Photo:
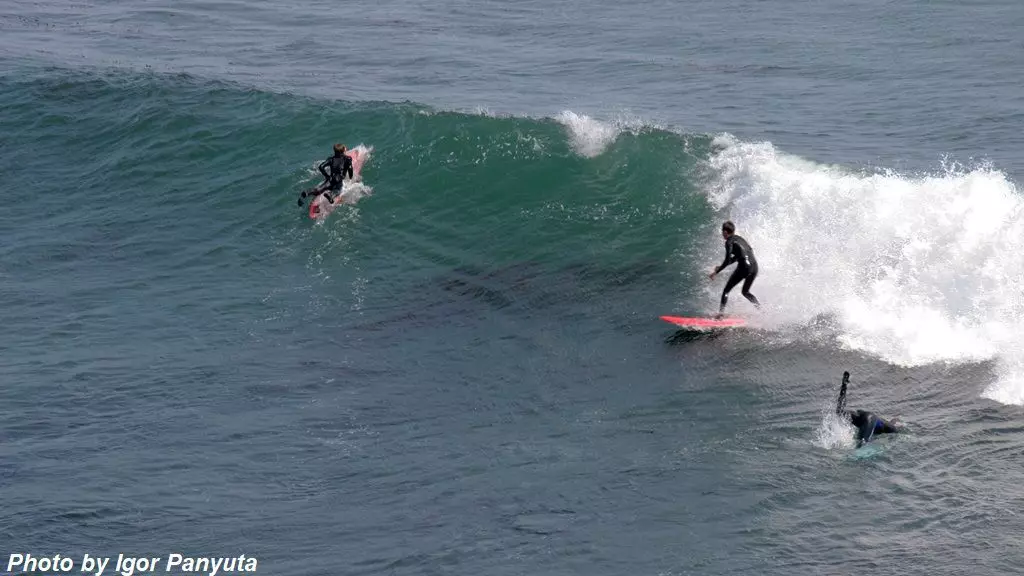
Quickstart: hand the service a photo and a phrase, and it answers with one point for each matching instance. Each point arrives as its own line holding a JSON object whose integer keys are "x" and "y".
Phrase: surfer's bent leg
{"x": 333, "y": 191}
{"x": 737, "y": 275}
{"x": 751, "y": 276}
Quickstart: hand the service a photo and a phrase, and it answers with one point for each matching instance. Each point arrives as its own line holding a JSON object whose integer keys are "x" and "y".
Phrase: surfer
{"x": 737, "y": 251}
{"x": 867, "y": 424}
{"x": 334, "y": 170}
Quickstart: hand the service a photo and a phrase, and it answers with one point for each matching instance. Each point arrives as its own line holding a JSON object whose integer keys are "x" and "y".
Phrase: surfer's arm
{"x": 841, "y": 402}
{"x": 348, "y": 169}
{"x": 323, "y": 169}
{"x": 729, "y": 258}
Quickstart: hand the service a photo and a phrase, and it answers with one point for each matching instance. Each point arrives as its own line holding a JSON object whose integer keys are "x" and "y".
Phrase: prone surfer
{"x": 867, "y": 423}
{"x": 739, "y": 252}
{"x": 334, "y": 170}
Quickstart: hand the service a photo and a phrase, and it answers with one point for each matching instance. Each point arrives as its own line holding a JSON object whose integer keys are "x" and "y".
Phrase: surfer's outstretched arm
{"x": 841, "y": 402}
{"x": 348, "y": 169}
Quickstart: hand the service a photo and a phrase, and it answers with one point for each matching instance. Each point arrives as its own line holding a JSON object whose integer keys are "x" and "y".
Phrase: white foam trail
{"x": 589, "y": 137}
{"x": 355, "y": 190}
{"x": 915, "y": 269}
{"x": 834, "y": 432}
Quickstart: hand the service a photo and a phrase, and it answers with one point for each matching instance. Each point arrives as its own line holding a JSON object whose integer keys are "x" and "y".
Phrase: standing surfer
{"x": 867, "y": 424}
{"x": 739, "y": 252}
{"x": 334, "y": 170}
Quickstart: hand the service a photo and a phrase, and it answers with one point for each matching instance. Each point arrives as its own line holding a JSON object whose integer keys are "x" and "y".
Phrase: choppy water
{"x": 464, "y": 373}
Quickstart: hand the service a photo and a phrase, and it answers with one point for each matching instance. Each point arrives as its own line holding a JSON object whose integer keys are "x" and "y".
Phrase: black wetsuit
{"x": 737, "y": 250}
{"x": 867, "y": 424}
{"x": 334, "y": 170}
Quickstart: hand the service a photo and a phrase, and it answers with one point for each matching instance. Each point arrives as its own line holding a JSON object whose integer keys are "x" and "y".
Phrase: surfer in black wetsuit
{"x": 737, "y": 251}
{"x": 867, "y": 424}
{"x": 334, "y": 170}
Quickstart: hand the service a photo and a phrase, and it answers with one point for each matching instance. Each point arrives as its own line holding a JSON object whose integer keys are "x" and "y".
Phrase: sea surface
{"x": 463, "y": 372}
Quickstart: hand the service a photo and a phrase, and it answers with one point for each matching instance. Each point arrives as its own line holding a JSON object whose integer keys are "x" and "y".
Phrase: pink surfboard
{"x": 703, "y": 323}
{"x": 320, "y": 207}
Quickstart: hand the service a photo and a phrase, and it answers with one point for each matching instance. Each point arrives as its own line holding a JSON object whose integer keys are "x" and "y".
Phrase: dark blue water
{"x": 463, "y": 372}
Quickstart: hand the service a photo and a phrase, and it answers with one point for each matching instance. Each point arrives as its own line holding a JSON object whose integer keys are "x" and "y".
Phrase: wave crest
{"x": 917, "y": 269}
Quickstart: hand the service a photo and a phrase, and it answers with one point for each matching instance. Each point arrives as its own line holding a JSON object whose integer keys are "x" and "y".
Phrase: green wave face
{"x": 223, "y": 164}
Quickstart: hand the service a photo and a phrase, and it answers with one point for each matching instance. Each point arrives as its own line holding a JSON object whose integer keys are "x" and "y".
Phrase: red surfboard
{"x": 700, "y": 323}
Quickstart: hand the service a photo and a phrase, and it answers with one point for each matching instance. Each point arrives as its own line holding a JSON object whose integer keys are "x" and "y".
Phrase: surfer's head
{"x": 339, "y": 149}
{"x": 728, "y": 229}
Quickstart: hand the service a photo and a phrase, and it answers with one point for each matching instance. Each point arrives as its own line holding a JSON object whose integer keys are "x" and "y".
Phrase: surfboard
{"x": 704, "y": 323}
{"x": 320, "y": 208}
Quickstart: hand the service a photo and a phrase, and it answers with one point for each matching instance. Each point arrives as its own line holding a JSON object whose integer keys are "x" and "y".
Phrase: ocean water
{"x": 464, "y": 371}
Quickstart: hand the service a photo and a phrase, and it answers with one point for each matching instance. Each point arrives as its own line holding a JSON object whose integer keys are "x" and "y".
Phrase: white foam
{"x": 834, "y": 432}
{"x": 916, "y": 269}
{"x": 589, "y": 137}
{"x": 364, "y": 155}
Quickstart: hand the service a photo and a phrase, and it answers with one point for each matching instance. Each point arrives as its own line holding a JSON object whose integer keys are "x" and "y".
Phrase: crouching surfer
{"x": 866, "y": 423}
{"x": 334, "y": 170}
{"x": 739, "y": 252}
